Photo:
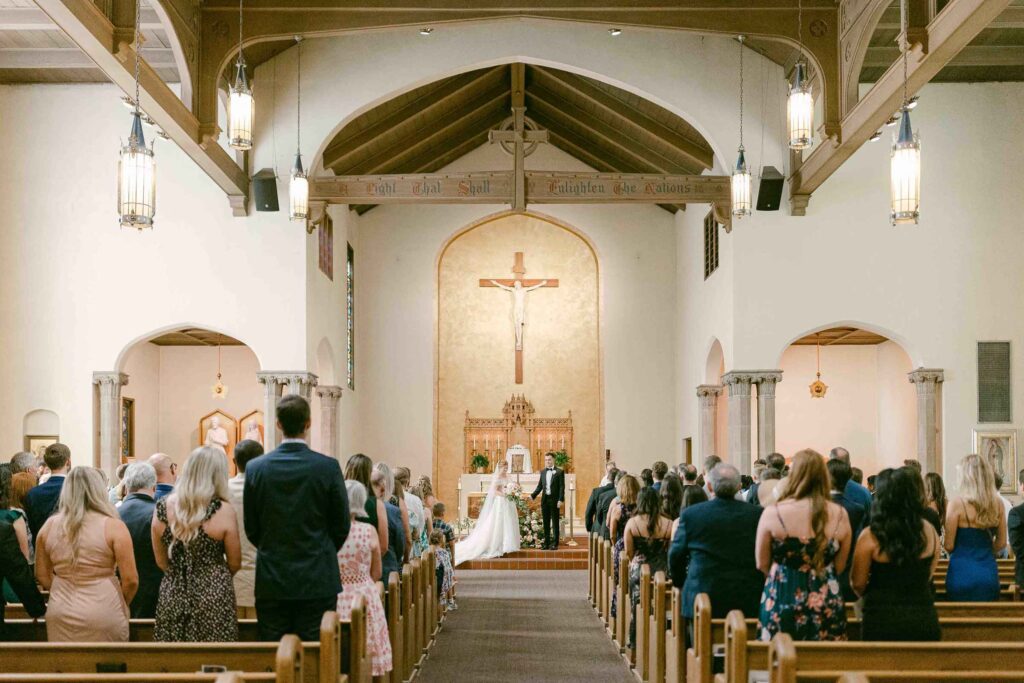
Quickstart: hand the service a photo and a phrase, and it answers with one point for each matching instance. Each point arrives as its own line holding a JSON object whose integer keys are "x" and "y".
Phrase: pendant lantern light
{"x": 220, "y": 390}
{"x": 741, "y": 175}
{"x": 136, "y": 168}
{"x": 818, "y": 388}
{"x": 241, "y": 106}
{"x": 800, "y": 106}
{"x": 905, "y": 160}
{"x": 298, "y": 188}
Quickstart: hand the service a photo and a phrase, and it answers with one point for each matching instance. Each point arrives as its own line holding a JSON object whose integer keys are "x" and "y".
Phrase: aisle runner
{"x": 524, "y": 626}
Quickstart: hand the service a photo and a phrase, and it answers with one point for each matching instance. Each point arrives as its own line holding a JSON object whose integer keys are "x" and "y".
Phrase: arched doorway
{"x": 182, "y": 388}
{"x": 869, "y": 406}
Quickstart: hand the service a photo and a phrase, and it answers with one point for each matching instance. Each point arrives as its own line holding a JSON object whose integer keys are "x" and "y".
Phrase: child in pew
{"x": 443, "y": 570}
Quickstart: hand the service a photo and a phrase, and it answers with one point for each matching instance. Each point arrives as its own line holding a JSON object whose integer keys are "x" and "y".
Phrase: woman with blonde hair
{"x": 627, "y": 488}
{"x": 414, "y": 507}
{"x": 803, "y": 544}
{"x": 77, "y": 553}
{"x": 196, "y": 544}
{"x": 975, "y": 533}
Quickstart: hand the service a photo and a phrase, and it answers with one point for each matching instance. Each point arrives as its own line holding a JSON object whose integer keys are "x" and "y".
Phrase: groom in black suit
{"x": 551, "y": 489}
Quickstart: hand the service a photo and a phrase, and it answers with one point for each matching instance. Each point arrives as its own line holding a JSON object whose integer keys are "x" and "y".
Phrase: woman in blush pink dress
{"x": 360, "y": 567}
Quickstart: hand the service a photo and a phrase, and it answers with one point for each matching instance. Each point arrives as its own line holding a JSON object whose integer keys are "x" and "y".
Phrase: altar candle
{"x": 474, "y": 442}
{"x": 551, "y": 440}
{"x": 487, "y": 442}
{"x": 563, "y": 442}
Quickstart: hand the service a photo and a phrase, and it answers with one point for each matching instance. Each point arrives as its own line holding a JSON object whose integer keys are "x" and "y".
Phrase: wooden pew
{"x": 228, "y": 677}
{"x": 826, "y": 661}
{"x": 642, "y": 618}
{"x": 592, "y": 569}
{"x": 284, "y": 661}
{"x": 622, "y": 606}
{"x": 609, "y": 578}
{"x": 396, "y": 627}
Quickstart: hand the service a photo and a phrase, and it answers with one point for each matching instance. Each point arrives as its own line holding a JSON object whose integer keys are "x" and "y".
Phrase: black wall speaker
{"x": 264, "y": 190}
{"x": 769, "y": 193}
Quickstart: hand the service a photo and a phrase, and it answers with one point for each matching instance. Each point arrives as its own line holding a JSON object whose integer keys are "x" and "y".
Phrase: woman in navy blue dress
{"x": 975, "y": 533}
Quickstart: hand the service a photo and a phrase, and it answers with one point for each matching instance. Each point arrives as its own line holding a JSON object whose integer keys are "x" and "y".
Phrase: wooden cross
{"x": 518, "y": 303}
{"x": 514, "y": 132}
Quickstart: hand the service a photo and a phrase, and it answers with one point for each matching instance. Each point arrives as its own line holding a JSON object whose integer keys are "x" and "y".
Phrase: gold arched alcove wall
{"x": 475, "y": 361}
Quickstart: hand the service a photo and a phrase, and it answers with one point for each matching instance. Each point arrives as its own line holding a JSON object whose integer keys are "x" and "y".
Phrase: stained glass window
{"x": 350, "y": 328}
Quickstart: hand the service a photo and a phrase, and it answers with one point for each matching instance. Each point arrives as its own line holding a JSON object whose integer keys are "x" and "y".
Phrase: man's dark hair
{"x": 646, "y": 477}
{"x": 659, "y": 470}
{"x": 57, "y": 456}
{"x": 746, "y": 481}
{"x": 776, "y": 461}
{"x": 710, "y": 462}
{"x": 839, "y": 472}
{"x": 690, "y": 474}
{"x": 771, "y": 474}
{"x": 613, "y": 475}
{"x": 246, "y": 450}
{"x": 911, "y": 462}
{"x": 857, "y": 474}
{"x": 871, "y": 481}
{"x": 761, "y": 461}
{"x": 1020, "y": 478}
{"x": 293, "y": 415}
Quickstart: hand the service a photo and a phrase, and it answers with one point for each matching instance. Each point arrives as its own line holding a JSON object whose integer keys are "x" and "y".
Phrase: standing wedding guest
{"x": 444, "y": 527}
{"x": 26, "y": 462}
{"x": 803, "y": 543}
{"x": 136, "y": 511}
{"x": 77, "y": 552}
{"x": 975, "y": 533}
{"x": 1015, "y": 530}
{"x": 647, "y": 478}
{"x": 605, "y": 503}
{"x": 935, "y": 494}
{"x": 853, "y": 491}
{"x": 628, "y": 488}
{"x": 17, "y": 573}
{"x": 391, "y": 559}
{"x": 9, "y": 513}
{"x": 590, "y": 513}
{"x": 116, "y": 493}
{"x": 839, "y": 474}
{"x": 21, "y": 484}
{"x": 245, "y": 577}
{"x": 444, "y": 571}
{"x": 359, "y": 563}
{"x": 426, "y": 492}
{"x": 42, "y": 500}
{"x": 166, "y": 473}
{"x": 712, "y": 550}
{"x": 195, "y": 538}
{"x": 360, "y": 468}
{"x": 671, "y": 491}
{"x": 894, "y": 562}
{"x": 658, "y": 471}
{"x": 417, "y": 516}
{"x": 394, "y": 495}
{"x": 297, "y": 516}
{"x": 646, "y": 542}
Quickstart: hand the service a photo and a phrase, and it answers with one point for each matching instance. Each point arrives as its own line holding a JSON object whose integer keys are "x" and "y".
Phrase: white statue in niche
{"x": 252, "y": 431}
{"x": 519, "y": 306}
{"x": 216, "y": 436}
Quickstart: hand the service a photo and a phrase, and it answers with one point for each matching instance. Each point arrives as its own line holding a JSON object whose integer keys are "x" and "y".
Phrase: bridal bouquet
{"x": 514, "y": 492}
{"x": 531, "y": 527}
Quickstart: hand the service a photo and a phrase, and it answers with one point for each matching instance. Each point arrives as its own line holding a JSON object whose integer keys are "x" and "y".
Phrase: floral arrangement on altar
{"x": 531, "y": 526}
{"x": 463, "y": 526}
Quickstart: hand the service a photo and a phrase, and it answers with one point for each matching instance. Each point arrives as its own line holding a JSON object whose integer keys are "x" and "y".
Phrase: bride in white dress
{"x": 497, "y": 529}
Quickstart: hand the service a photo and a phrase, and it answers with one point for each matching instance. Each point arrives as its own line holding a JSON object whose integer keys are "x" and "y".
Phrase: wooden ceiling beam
{"x": 972, "y": 55}
{"x": 948, "y": 33}
{"x": 86, "y": 25}
{"x": 346, "y": 151}
{"x": 35, "y": 19}
{"x": 72, "y": 58}
{"x": 696, "y": 154}
{"x": 483, "y": 107}
{"x": 605, "y": 134}
{"x": 1010, "y": 18}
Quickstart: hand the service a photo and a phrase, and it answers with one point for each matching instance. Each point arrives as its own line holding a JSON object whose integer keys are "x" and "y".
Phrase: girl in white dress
{"x": 497, "y": 529}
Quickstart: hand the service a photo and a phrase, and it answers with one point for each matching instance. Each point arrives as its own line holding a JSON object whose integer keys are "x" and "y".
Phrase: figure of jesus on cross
{"x": 519, "y": 288}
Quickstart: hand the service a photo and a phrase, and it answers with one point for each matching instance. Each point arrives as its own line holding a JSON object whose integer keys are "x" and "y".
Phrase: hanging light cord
{"x": 741, "y": 91}
{"x": 241, "y": 60}
{"x": 800, "y": 29}
{"x": 138, "y": 49}
{"x": 904, "y": 26}
{"x": 298, "y": 100}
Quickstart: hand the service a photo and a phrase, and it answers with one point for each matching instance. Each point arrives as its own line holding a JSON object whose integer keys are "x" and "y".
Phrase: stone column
{"x": 110, "y": 384}
{"x": 707, "y": 400}
{"x": 739, "y": 383}
{"x": 302, "y": 383}
{"x": 329, "y": 399}
{"x": 766, "y": 381}
{"x": 929, "y": 429}
{"x": 273, "y": 384}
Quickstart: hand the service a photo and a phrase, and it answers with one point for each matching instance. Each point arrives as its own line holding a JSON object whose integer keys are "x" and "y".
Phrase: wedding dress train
{"x": 497, "y": 529}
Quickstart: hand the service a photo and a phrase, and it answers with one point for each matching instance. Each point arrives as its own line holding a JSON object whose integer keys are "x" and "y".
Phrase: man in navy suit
{"x": 713, "y": 549}
{"x": 41, "y": 501}
{"x": 296, "y": 514}
{"x": 853, "y": 491}
{"x": 136, "y": 511}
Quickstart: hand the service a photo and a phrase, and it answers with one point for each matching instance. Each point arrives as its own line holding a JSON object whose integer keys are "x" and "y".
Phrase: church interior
{"x": 474, "y": 234}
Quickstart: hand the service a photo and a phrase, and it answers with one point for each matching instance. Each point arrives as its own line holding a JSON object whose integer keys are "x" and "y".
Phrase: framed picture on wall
{"x": 251, "y": 427}
{"x": 36, "y": 443}
{"x": 127, "y": 429}
{"x": 1000, "y": 447}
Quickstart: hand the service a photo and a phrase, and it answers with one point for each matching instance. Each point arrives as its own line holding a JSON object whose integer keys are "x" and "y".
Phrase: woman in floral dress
{"x": 360, "y": 566}
{"x": 803, "y": 544}
{"x": 622, "y": 509}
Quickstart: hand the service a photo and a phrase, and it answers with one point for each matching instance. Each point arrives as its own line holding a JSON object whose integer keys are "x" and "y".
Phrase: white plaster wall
{"x": 897, "y": 407}
{"x": 77, "y": 290}
{"x": 396, "y": 295}
{"x": 142, "y": 365}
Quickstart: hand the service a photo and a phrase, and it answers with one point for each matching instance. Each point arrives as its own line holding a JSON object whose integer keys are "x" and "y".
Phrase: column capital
{"x": 328, "y": 392}
{"x": 926, "y": 376}
{"x": 272, "y": 378}
{"x": 301, "y": 378}
{"x": 766, "y": 376}
{"x": 738, "y": 382}
{"x": 112, "y": 378}
{"x": 705, "y": 390}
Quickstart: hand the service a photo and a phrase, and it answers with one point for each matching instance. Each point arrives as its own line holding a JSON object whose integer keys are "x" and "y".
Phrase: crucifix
{"x": 519, "y": 288}
{"x": 518, "y": 136}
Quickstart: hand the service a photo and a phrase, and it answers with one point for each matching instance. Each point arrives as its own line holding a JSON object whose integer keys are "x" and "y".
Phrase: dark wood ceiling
{"x": 193, "y": 336}
{"x": 34, "y": 50}
{"x": 995, "y": 54}
{"x": 841, "y": 336}
{"x": 605, "y": 127}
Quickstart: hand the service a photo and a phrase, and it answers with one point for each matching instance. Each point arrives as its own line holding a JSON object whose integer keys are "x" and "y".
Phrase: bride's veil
{"x": 492, "y": 494}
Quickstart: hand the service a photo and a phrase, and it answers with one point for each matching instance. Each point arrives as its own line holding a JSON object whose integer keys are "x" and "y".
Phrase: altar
{"x": 473, "y": 490}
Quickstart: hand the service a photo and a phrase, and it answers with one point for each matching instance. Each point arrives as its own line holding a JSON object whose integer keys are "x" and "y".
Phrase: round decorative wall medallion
{"x": 819, "y": 28}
